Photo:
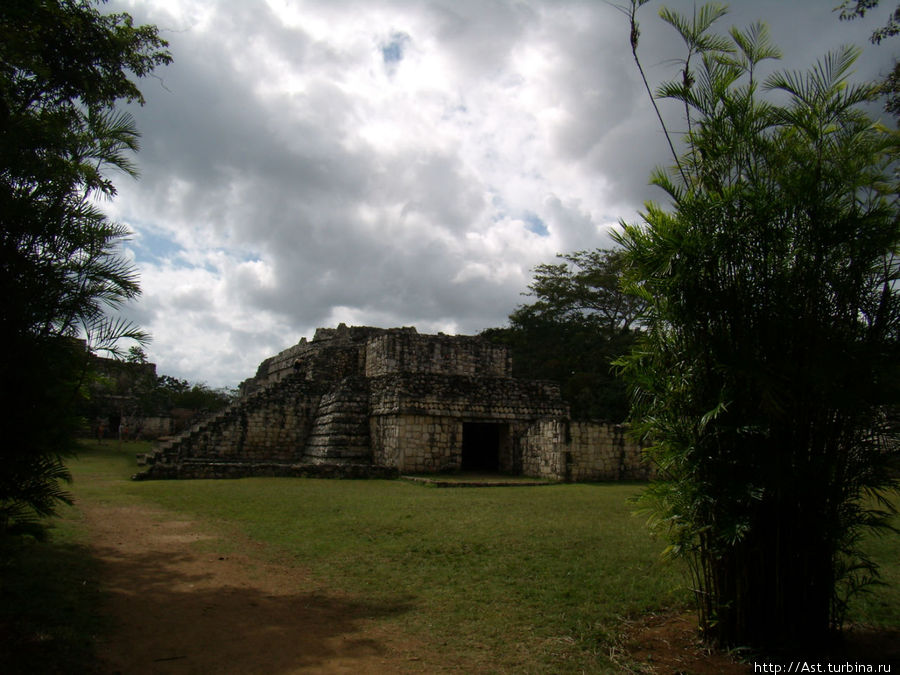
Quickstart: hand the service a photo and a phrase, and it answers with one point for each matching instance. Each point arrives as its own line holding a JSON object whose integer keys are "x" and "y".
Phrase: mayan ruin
{"x": 374, "y": 402}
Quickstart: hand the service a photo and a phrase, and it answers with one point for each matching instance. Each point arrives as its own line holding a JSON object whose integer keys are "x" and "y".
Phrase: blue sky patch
{"x": 534, "y": 224}
{"x": 154, "y": 246}
{"x": 392, "y": 52}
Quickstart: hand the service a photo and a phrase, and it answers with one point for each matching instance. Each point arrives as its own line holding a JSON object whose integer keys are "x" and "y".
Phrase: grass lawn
{"x": 49, "y": 602}
{"x": 529, "y": 579}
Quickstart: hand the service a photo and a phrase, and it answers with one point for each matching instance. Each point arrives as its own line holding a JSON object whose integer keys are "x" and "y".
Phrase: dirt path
{"x": 180, "y": 604}
{"x": 182, "y": 601}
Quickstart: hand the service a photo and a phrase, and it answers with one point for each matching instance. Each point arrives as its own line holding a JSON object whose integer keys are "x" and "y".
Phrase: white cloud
{"x": 307, "y": 163}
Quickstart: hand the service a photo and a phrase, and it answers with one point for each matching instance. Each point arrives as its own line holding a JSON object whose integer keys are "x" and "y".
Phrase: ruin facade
{"x": 373, "y": 402}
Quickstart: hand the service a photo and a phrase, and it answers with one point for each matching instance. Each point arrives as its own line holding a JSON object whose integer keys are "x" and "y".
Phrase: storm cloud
{"x": 391, "y": 163}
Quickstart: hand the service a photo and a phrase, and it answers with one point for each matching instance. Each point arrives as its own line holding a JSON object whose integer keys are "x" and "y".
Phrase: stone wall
{"x": 417, "y": 443}
{"x": 543, "y": 450}
{"x": 417, "y": 419}
{"x": 604, "y": 452}
{"x": 348, "y": 351}
{"x": 486, "y": 398}
{"x": 396, "y": 400}
{"x": 214, "y": 469}
{"x": 409, "y": 352}
{"x": 582, "y": 451}
{"x": 332, "y": 354}
{"x": 427, "y": 444}
{"x": 150, "y": 427}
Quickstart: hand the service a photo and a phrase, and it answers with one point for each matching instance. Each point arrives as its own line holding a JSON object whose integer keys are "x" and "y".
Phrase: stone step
{"x": 341, "y": 429}
{"x": 337, "y": 443}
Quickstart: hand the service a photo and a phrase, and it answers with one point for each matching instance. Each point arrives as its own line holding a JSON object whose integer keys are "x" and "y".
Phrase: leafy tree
{"x": 202, "y": 397}
{"x": 579, "y": 323}
{"x": 852, "y": 9}
{"x": 136, "y": 355}
{"x": 63, "y": 68}
{"x": 890, "y": 87}
{"x": 586, "y": 288}
{"x": 171, "y": 392}
{"x": 769, "y": 367}
{"x": 131, "y": 389}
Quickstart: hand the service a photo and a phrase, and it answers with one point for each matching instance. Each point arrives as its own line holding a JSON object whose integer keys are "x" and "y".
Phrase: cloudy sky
{"x": 391, "y": 163}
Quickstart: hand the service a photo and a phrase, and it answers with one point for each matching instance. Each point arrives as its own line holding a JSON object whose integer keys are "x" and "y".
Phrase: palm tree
{"x": 769, "y": 365}
{"x": 63, "y": 67}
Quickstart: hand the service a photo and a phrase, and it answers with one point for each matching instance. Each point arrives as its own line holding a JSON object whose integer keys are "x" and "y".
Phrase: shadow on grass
{"x": 174, "y": 609}
{"x": 161, "y": 611}
{"x": 49, "y": 608}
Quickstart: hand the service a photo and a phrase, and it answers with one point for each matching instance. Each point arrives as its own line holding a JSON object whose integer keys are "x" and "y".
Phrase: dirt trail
{"x": 181, "y": 601}
{"x": 180, "y": 607}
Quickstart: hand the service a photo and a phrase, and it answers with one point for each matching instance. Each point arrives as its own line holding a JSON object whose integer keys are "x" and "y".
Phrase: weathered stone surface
{"x": 395, "y": 401}
{"x": 209, "y": 469}
{"x": 406, "y": 351}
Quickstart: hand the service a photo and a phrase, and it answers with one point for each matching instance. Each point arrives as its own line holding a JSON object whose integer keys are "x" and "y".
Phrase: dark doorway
{"x": 481, "y": 446}
{"x": 115, "y": 421}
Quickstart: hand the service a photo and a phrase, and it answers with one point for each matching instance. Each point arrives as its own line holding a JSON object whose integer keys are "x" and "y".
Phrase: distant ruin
{"x": 373, "y": 402}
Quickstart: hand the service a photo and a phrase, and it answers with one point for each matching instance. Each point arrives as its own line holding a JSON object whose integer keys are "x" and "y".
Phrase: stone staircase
{"x": 293, "y": 426}
{"x": 168, "y": 449}
{"x": 340, "y": 432}
{"x": 203, "y": 432}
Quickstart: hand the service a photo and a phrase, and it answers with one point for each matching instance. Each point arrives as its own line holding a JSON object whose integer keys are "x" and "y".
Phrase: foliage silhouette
{"x": 63, "y": 68}
{"x": 579, "y": 323}
{"x": 767, "y": 376}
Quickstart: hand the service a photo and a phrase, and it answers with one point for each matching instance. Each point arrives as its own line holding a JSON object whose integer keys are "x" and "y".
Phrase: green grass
{"x": 525, "y": 579}
{"x": 879, "y": 605}
{"x": 49, "y": 603}
{"x": 500, "y": 574}
{"x": 50, "y": 591}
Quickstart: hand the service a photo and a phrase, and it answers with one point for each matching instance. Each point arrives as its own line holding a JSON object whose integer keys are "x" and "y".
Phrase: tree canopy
{"x": 890, "y": 87}
{"x": 580, "y": 321}
{"x": 585, "y": 288}
{"x": 766, "y": 378}
{"x": 63, "y": 68}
